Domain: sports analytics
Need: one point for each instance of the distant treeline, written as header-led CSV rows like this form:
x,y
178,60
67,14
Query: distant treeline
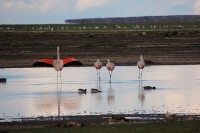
x,y
145,19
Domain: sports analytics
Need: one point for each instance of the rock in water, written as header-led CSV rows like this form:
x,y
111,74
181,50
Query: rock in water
x,y
2,80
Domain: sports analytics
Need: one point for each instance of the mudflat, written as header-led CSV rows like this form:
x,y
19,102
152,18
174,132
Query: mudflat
x,y
22,49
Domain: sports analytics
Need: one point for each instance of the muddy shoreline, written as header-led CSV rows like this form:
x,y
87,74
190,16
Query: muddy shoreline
x,y
43,122
22,49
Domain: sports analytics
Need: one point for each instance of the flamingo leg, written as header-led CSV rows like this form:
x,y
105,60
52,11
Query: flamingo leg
x,y
110,76
60,78
99,74
57,83
139,84
110,72
57,78
139,74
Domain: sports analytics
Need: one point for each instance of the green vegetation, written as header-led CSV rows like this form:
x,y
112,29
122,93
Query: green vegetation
x,y
100,27
154,127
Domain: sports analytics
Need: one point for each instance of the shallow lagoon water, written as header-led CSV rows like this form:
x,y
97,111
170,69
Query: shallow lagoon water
x,y
33,92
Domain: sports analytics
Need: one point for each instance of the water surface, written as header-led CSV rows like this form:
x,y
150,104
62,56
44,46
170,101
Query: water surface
x,y
33,92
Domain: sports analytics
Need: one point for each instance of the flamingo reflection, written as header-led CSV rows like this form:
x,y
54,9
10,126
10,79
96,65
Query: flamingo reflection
x,y
59,98
141,95
56,104
96,92
111,95
97,89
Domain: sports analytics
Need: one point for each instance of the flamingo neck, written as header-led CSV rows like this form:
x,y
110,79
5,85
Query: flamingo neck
x,y
141,58
58,53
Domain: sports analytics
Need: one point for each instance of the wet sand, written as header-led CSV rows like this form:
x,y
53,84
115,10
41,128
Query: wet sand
x,y
22,49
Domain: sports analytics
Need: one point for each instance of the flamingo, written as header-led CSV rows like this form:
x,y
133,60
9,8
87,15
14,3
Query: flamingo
x,y
110,67
58,63
98,65
141,65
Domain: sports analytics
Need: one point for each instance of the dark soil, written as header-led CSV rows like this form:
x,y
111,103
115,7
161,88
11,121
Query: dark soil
x,y
72,121
22,49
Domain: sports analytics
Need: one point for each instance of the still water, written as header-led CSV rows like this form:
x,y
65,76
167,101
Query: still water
x,y
33,92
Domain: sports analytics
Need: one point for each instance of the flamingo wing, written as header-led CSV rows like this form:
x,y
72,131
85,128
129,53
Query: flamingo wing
x,y
43,63
71,62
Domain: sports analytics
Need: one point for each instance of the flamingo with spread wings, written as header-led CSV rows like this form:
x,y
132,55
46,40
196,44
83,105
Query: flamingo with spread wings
x,y
58,63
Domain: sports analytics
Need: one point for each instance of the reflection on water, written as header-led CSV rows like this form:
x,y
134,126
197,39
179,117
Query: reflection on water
x,y
56,104
141,95
32,92
111,95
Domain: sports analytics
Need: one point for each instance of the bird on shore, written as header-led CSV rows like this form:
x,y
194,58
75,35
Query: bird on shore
x,y
58,63
98,65
140,65
110,67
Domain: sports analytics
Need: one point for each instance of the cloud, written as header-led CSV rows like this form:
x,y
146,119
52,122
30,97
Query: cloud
x,y
197,7
194,4
82,5
56,11
20,4
38,5
178,2
33,11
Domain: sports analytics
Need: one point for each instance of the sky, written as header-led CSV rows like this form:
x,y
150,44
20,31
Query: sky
x,y
57,11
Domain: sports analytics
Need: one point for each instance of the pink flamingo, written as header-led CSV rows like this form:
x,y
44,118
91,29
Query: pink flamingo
x,y
141,65
58,64
110,67
98,65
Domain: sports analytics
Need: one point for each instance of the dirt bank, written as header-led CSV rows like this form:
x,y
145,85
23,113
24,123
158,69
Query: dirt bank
x,y
42,122
22,49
